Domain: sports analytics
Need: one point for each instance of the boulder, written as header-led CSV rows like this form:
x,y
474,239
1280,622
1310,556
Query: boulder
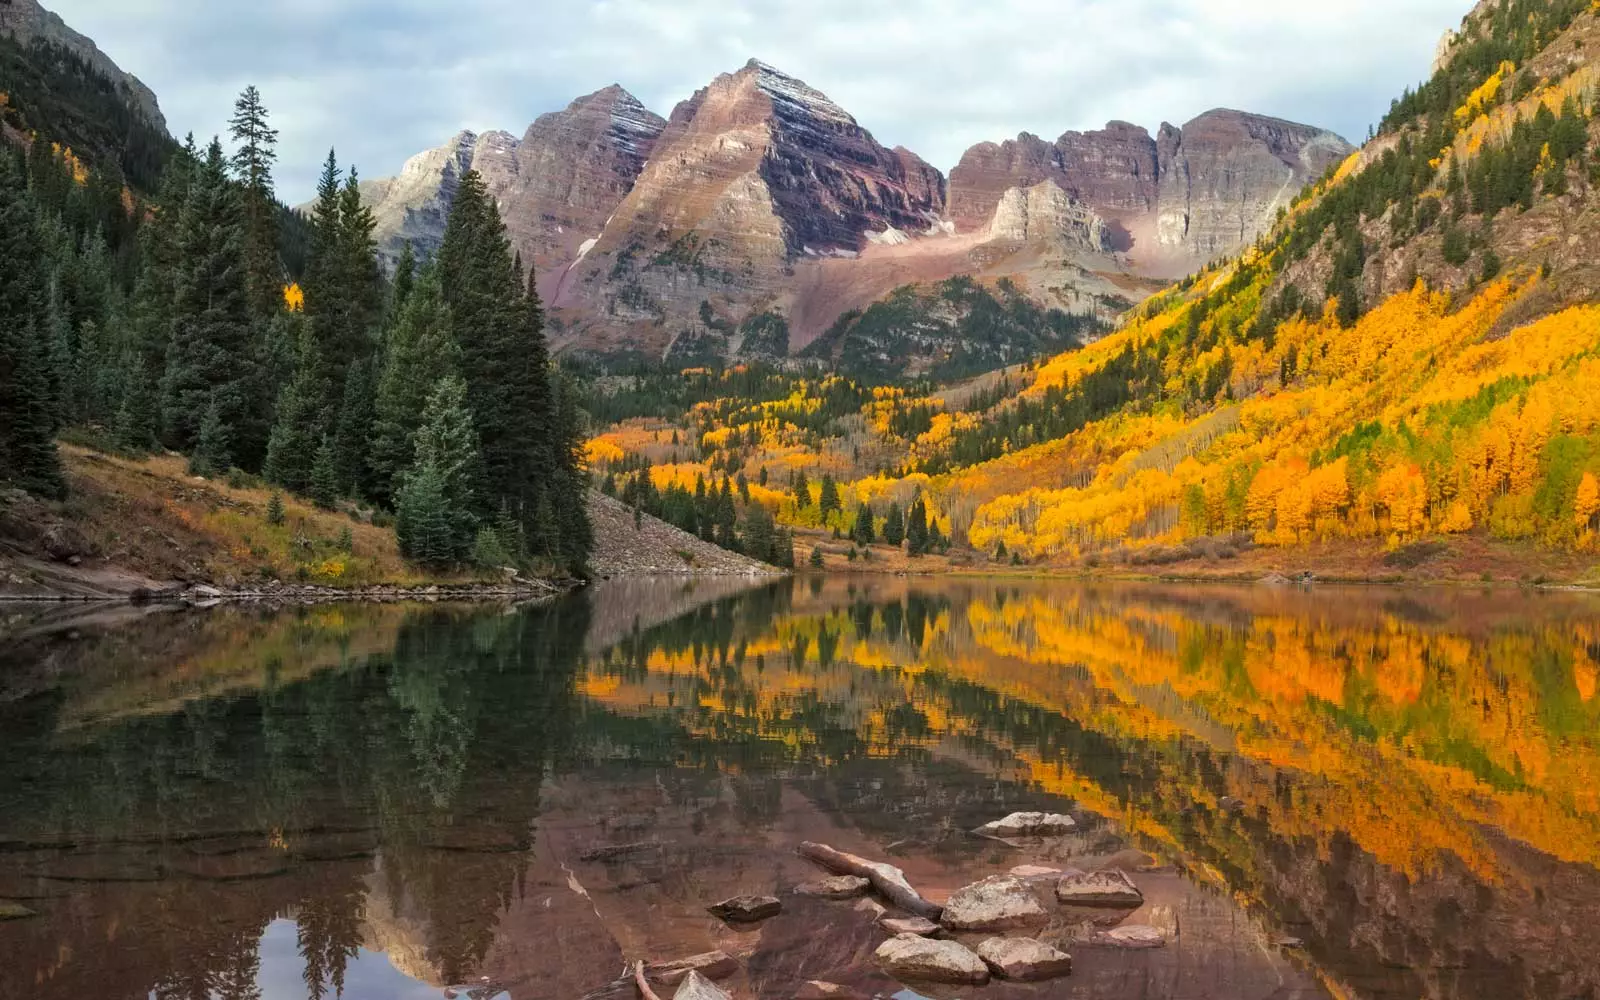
x,y
746,909
1033,873
1024,959
1028,824
909,956
1000,903
873,909
1106,888
1130,936
920,926
711,964
698,987
835,887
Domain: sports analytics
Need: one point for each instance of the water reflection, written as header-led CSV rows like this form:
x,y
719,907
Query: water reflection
x,y
389,800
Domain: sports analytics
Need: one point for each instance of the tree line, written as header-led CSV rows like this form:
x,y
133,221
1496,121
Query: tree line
x,y
430,394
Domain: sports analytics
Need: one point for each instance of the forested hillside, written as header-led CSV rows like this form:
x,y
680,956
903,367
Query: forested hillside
x,y
1412,352
176,323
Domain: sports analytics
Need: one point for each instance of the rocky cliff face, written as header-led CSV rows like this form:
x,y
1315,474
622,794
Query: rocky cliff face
x,y
26,20
556,186
1170,201
762,199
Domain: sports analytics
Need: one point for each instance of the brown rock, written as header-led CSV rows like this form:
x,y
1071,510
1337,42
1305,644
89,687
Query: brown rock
x,y
746,909
711,964
1103,888
920,926
1024,959
697,987
909,956
1131,936
835,887
1029,824
10,910
994,904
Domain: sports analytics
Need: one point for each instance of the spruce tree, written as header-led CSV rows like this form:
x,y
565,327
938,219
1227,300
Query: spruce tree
x,y
213,450
917,529
353,429
436,520
421,350
252,167
894,526
828,500
405,276
862,531
324,488
209,356
303,418
568,497
28,456
275,515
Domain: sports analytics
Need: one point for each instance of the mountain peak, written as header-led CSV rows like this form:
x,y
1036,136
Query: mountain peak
x,y
27,20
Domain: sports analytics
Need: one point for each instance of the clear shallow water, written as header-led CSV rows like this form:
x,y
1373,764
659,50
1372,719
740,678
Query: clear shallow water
x,y
385,801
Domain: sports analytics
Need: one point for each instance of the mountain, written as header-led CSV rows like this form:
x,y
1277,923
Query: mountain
x,y
761,200
26,22
556,186
1171,202
57,85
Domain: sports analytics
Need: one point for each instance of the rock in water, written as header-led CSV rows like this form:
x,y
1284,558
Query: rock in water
x,y
746,909
1035,871
1028,824
909,956
712,964
14,911
995,904
698,987
1107,888
835,887
1131,936
920,926
1024,959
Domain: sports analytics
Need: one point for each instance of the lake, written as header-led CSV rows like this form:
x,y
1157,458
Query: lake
x,y
1320,792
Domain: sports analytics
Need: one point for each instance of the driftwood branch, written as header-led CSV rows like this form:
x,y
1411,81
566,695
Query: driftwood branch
x,y
889,881
645,992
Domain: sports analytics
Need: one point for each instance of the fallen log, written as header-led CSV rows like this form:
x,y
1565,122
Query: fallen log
x,y
645,992
889,881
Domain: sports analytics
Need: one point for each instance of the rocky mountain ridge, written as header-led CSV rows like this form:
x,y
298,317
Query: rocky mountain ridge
x,y
27,20
760,196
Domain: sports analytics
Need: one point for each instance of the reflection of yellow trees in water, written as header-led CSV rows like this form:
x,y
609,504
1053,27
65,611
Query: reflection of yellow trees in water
x,y
1411,733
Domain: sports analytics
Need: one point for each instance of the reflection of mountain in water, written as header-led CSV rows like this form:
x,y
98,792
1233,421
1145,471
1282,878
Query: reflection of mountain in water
x,y
1410,788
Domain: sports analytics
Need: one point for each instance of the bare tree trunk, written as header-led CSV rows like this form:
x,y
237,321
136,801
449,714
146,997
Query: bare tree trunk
x,y
889,881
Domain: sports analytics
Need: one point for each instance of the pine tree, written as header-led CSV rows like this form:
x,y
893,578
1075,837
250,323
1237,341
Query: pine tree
x,y
353,429
894,527
436,521
324,488
405,276
862,531
421,350
828,499
802,490
303,418
816,557
209,356
213,450
138,419
275,515
28,456
917,529
361,280
252,167
568,496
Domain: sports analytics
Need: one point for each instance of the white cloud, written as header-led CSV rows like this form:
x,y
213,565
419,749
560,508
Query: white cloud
x,y
380,81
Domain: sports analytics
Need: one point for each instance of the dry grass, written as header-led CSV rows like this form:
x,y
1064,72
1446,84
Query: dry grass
x,y
150,516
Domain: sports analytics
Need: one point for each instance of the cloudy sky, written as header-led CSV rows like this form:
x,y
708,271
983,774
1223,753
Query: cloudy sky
x,y
382,80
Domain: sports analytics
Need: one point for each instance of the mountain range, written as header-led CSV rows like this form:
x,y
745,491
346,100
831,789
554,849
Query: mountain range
x,y
760,201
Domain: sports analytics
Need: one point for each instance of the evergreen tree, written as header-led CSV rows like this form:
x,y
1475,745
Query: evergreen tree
x,y
252,167
353,429
917,529
28,456
209,358
324,488
894,527
862,531
816,557
435,522
138,419
303,418
405,276
275,515
567,498
213,449
828,501
802,490
421,350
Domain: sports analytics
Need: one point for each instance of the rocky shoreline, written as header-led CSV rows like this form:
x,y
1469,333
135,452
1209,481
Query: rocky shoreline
x,y
203,595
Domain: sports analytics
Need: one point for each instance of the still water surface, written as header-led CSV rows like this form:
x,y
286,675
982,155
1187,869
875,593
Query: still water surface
x,y
1328,793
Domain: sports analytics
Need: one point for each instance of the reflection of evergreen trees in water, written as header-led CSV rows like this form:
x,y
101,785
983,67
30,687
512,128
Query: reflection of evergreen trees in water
x,y
438,748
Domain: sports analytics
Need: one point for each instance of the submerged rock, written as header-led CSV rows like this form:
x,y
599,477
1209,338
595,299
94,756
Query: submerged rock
x,y
1105,888
995,904
746,909
712,964
14,911
1130,936
920,926
698,987
1029,824
1034,871
835,887
909,956
1024,959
